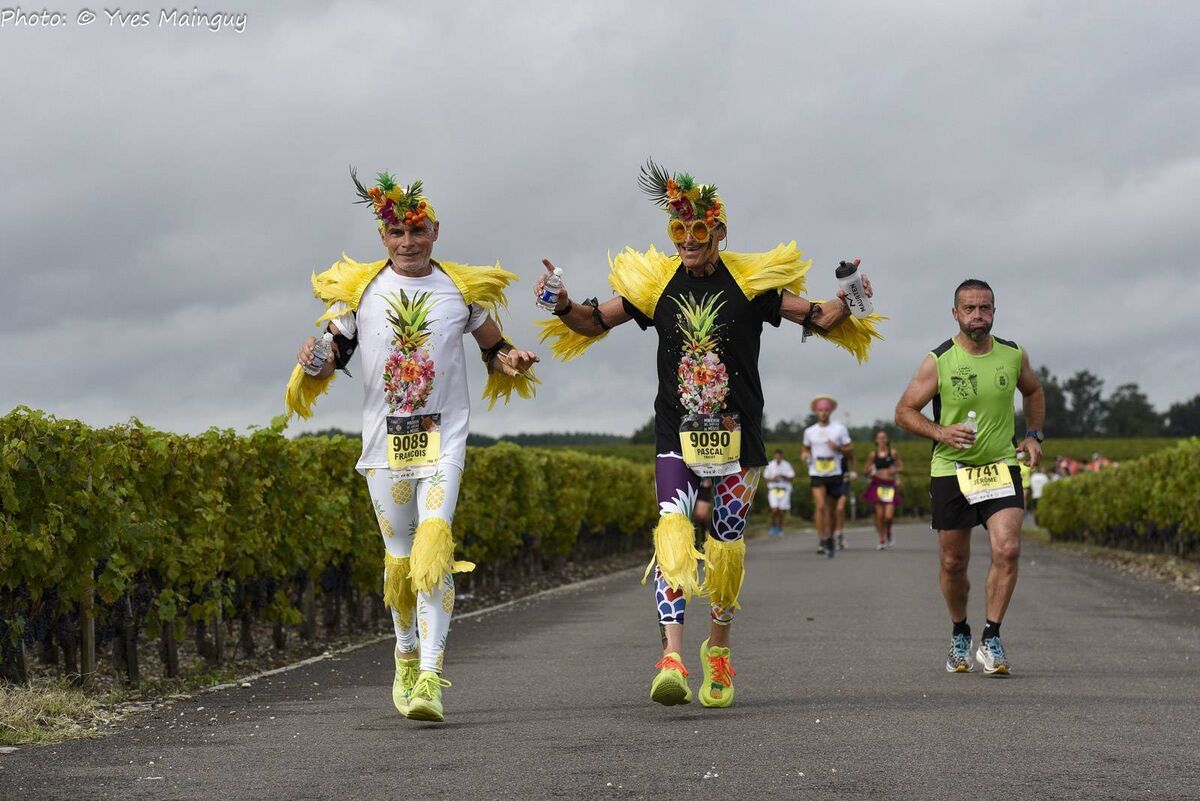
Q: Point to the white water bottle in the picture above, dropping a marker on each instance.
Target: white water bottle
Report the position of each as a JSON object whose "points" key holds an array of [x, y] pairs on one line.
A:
{"points": [[972, 422], [320, 354], [551, 287], [850, 281]]}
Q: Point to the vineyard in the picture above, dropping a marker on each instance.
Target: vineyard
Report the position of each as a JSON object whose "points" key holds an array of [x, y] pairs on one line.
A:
{"points": [[914, 485], [111, 535], [1148, 504]]}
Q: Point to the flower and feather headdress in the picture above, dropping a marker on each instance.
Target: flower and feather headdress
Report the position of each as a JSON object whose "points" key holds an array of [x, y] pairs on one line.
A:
{"points": [[393, 204], [680, 196]]}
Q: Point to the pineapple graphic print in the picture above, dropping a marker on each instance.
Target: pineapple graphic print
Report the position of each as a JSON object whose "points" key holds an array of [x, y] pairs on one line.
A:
{"points": [[436, 496], [409, 371], [703, 378], [402, 491]]}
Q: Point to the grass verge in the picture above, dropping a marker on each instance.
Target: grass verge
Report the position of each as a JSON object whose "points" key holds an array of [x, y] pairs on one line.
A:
{"points": [[1179, 573]]}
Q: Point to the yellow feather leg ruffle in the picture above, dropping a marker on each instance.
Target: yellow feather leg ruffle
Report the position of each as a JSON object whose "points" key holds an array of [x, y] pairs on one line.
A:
{"points": [[503, 385], [676, 554], [567, 344], [433, 555], [854, 335], [397, 588], [724, 569], [303, 391]]}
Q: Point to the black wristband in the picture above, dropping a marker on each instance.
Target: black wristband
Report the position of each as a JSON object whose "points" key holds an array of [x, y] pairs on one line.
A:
{"points": [[595, 304], [495, 350], [565, 310]]}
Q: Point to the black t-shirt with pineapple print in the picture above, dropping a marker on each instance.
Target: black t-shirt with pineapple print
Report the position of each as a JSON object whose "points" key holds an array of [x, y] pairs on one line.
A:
{"points": [[708, 344]]}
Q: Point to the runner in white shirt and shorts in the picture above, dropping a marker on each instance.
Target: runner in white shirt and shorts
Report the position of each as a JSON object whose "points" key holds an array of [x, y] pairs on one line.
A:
{"points": [[829, 454], [779, 476]]}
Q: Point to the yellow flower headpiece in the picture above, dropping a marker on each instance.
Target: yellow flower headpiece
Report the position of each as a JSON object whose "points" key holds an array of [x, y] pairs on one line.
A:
{"points": [[393, 204], [681, 197]]}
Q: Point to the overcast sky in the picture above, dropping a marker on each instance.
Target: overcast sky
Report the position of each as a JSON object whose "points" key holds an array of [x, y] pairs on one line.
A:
{"points": [[167, 191]]}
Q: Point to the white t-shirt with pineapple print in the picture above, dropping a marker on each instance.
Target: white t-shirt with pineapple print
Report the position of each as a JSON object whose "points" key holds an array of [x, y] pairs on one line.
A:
{"points": [[410, 337]]}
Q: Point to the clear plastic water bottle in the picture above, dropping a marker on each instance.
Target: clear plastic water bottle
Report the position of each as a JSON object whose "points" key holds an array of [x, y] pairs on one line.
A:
{"points": [[972, 422], [321, 350], [850, 281], [548, 299]]}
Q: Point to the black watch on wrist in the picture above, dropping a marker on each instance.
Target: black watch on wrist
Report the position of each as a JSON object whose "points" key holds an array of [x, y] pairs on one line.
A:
{"points": [[565, 309], [1037, 434]]}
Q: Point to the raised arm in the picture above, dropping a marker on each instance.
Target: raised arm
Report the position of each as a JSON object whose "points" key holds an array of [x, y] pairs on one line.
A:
{"points": [[589, 318], [825, 316]]}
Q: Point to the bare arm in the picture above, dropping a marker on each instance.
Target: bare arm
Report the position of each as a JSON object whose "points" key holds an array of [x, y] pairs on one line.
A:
{"points": [[1033, 402], [508, 359], [916, 397], [582, 318], [829, 315]]}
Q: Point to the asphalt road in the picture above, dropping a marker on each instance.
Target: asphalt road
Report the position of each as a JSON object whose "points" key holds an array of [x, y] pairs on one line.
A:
{"points": [[841, 694]]}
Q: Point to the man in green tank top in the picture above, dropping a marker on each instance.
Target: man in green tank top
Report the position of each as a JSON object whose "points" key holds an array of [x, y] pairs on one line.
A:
{"points": [[971, 379]]}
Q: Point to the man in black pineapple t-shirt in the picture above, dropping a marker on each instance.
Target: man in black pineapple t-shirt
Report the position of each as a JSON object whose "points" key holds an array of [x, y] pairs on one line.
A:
{"points": [[708, 308]]}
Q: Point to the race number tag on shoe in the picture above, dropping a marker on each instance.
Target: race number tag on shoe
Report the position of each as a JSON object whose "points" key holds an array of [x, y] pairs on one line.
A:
{"points": [[414, 445], [985, 482], [885, 494], [711, 444], [826, 467]]}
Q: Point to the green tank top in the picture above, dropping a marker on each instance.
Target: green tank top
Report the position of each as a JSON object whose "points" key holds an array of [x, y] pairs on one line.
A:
{"points": [[982, 384]]}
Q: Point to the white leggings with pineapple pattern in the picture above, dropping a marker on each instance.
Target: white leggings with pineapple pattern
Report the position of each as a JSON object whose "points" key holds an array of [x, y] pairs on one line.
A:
{"points": [[401, 505]]}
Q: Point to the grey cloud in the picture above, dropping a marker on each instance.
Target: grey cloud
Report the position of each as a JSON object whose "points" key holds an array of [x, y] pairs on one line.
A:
{"points": [[168, 193]]}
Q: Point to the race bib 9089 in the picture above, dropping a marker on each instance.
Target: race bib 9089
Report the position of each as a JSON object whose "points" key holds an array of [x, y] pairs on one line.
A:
{"points": [[414, 445]]}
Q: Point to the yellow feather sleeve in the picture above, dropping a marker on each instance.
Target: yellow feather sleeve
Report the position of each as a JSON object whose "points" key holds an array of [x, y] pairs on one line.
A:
{"points": [[345, 280], [783, 267], [501, 385], [640, 278], [481, 286], [853, 334], [566, 344], [303, 391]]}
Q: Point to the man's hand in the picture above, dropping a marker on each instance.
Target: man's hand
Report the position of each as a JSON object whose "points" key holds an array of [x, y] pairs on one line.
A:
{"points": [[1033, 448], [958, 436], [516, 362], [305, 356], [563, 300]]}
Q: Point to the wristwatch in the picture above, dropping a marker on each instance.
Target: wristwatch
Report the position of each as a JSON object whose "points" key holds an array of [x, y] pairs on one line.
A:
{"points": [[1037, 434]]}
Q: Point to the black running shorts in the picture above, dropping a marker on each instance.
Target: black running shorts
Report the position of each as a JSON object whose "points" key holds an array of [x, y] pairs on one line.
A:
{"points": [[951, 510], [835, 486]]}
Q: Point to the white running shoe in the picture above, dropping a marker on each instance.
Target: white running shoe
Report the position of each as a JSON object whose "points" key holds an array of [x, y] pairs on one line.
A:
{"points": [[991, 657]]}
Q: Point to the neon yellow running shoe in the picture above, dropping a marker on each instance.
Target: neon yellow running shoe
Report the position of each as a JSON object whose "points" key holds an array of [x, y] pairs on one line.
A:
{"points": [[717, 689], [670, 686], [425, 700], [407, 671]]}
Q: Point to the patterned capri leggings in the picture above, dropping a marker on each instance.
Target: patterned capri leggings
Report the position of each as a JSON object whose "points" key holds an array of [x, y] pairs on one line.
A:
{"points": [[677, 488], [400, 506]]}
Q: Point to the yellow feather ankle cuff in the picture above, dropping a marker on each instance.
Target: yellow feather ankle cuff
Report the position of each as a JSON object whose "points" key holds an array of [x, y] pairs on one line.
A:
{"points": [[724, 569], [676, 554], [397, 589], [433, 555]]}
